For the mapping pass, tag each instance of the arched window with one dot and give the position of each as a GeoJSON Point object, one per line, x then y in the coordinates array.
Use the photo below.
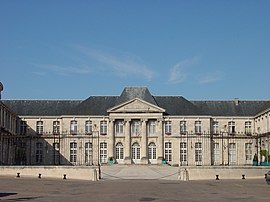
{"type": "Point", "coordinates": [119, 151]}
{"type": "Point", "coordinates": [136, 151]}
{"type": "Point", "coordinates": [152, 151]}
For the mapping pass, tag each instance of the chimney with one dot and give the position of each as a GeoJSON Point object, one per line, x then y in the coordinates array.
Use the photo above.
{"type": "Point", "coordinates": [236, 101]}
{"type": "Point", "coordinates": [1, 89]}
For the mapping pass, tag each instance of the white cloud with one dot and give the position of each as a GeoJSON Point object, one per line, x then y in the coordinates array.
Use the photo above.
{"type": "Point", "coordinates": [122, 66]}
{"type": "Point", "coordinates": [62, 70]}
{"type": "Point", "coordinates": [210, 77]}
{"type": "Point", "coordinates": [178, 73]}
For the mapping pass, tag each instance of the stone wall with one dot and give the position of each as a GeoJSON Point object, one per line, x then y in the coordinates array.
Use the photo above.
{"type": "Point", "coordinates": [71, 172]}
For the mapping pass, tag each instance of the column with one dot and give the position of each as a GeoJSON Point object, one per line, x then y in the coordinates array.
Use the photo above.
{"type": "Point", "coordinates": [111, 139]}
{"type": "Point", "coordinates": [144, 157]}
{"type": "Point", "coordinates": [127, 159]}
{"type": "Point", "coordinates": [160, 141]}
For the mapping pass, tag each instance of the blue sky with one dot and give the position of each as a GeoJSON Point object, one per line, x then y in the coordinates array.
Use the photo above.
{"type": "Point", "coordinates": [202, 50]}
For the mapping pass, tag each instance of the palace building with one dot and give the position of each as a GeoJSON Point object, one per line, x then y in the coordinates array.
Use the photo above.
{"type": "Point", "coordinates": [137, 127]}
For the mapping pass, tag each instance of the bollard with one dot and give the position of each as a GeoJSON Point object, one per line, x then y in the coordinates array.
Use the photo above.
{"type": "Point", "coordinates": [94, 175]}
{"type": "Point", "coordinates": [217, 177]}
{"type": "Point", "coordinates": [243, 177]}
{"type": "Point", "coordinates": [18, 175]}
{"type": "Point", "coordinates": [39, 176]}
{"type": "Point", "coordinates": [65, 177]}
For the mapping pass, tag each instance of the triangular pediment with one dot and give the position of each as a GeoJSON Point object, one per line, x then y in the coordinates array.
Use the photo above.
{"type": "Point", "coordinates": [136, 105]}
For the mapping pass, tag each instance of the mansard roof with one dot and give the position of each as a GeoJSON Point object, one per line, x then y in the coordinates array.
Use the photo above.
{"type": "Point", "coordinates": [99, 105]}
{"type": "Point", "coordinates": [42, 107]}
{"type": "Point", "coordinates": [231, 108]}
{"type": "Point", "coordinates": [129, 93]}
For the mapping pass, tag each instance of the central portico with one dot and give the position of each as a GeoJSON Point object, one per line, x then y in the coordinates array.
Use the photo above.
{"type": "Point", "coordinates": [135, 128]}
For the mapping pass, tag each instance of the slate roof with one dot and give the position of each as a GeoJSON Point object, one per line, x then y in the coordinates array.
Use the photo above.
{"type": "Point", "coordinates": [42, 107]}
{"type": "Point", "coordinates": [130, 93]}
{"type": "Point", "coordinates": [177, 105]}
{"type": "Point", "coordinates": [98, 105]}
{"type": "Point", "coordinates": [230, 108]}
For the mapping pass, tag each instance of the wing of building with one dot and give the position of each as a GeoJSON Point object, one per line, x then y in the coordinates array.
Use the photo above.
{"type": "Point", "coordinates": [137, 127]}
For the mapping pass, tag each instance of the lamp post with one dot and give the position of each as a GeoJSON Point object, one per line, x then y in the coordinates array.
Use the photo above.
{"type": "Point", "coordinates": [99, 169]}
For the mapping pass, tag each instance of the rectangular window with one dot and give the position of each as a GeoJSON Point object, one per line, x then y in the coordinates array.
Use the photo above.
{"type": "Point", "coordinates": [183, 152]}
{"type": "Point", "coordinates": [56, 127]}
{"type": "Point", "coordinates": [168, 127]}
{"type": "Point", "coordinates": [23, 129]}
{"type": "Point", "coordinates": [198, 152]}
{"type": "Point", "coordinates": [135, 128]}
{"type": "Point", "coordinates": [215, 128]}
{"type": "Point", "coordinates": [151, 128]}
{"type": "Point", "coordinates": [231, 127]}
{"type": "Point", "coordinates": [198, 127]}
{"type": "Point", "coordinates": [56, 153]}
{"type": "Point", "coordinates": [232, 153]}
{"type": "Point", "coordinates": [168, 151]}
{"type": "Point", "coordinates": [248, 153]}
{"type": "Point", "coordinates": [216, 154]}
{"type": "Point", "coordinates": [248, 127]}
{"type": "Point", "coordinates": [40, 127]}
{"type": "Point", "coordinates": [103, 127]}
{"type": "Point", "coordinates": [119, 128]}
{"type": "Point", "coordinates": [88, 127]}
{"type": "Point", "coordinates": [103, 152]}
{"type": "Point", "coordinates": [73, 127]}
{"type": "Point", "coordinates": [183, 127]}
{"type": "Point", "coordinates": [39, 152]}
{"type": "Point", "coordinates": [73, 152]}
{"type": "Point", "coordinates": [88, 153]}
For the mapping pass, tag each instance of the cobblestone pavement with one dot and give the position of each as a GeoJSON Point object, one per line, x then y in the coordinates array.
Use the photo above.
{"type": "Point", "coordinates": [34, 189]}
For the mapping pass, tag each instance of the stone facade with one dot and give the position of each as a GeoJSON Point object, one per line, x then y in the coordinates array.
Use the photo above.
{"type": "Point", "coordinates": [138, 128]}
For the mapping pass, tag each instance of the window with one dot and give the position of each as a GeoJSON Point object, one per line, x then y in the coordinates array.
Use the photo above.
{"type": "Point", "coordinates": [198, 152]}
{"type": "Point", "coordinates": [88, 153]}
{"type": "Point", "coordinates": [135, 128]}
{"type": "Point", "coordinates": [232, 153]}
{"type": "Point", "coordinates": [136, 155]}
{"type": "Point", "coordinates": [39, 152]}
{"type": "Point", "coordinates": [231, 127]}
{"type": "Point", "coordinates": [183, 127]}
{"type": "Point", "coordinates": [103, 127]}
{"type": "Point", "coordinates": [216, 154]}
{"type": "Point", "coordinates": [88, 127]}
{"type": "Point", "coordinates": [198, 127]}
{"type": "Point", "coordinates": [56, 127]}
{"type": "Point", "coordinates": [40, 127]}
{"type": "Point", "coordinates": [168, 151]}
{"type": "Point", "coordinates": [73, 152]}
{"type": "Point", "coordinates": [103, 152]}
{"type": "Point", "coordinates": [168, 127]}
{"type": "Point", "coordinates": [73, 127]}
{"type": "Point", "coordinates": [215, 127]}
{"type": "Point", "coordinates": [119, 128]}
{"type": "Point", "coordinates": [152, 151]}
{"type": "Point", "coordinates": [248, 152]}
{"type": "Point", "coordinates": [151, 128]}
{"type": "Point", "coordinates": [248, 127]}
{"type": "Point", "coordinates": [23, 129]}
{"type": "Point", "coordinates": [183, 152]}
{"type": "Point", "coordinates": [56, 153]}
{"type": "Point", "coordinates": [119, 150]}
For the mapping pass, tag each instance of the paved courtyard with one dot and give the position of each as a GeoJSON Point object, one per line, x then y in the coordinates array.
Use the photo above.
{"type": "Point", "coordinates": [34, 189]}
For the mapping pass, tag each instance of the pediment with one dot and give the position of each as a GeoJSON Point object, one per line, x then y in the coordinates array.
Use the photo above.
{"type": "Point", "coordinates": [136, 105]}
